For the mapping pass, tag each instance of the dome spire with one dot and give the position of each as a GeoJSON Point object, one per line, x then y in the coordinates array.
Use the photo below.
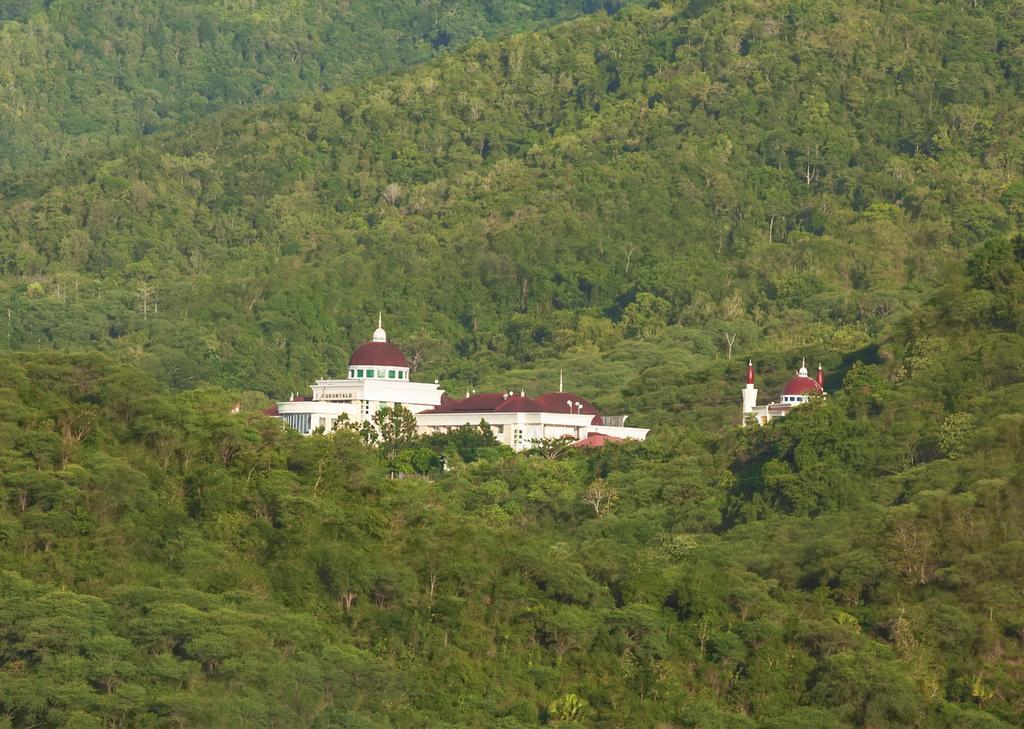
{"type": "Point", "coordinates": [803, 367]}
{"type": "Point", "coordinates": [750, 371]}
{"type": "Point", "coordinates": [379, 335]}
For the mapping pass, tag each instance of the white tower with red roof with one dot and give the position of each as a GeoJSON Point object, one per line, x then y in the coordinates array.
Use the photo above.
{"type": "Point", "coordinates": [749, 392]}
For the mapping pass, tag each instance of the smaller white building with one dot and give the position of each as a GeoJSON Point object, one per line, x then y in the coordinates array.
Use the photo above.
{"type": "Point", "coordinates": [378, 376]}
{"type": "Point", "coordinates": [519, 421]}
{"type": "Point", "coordinates": [797, 391]}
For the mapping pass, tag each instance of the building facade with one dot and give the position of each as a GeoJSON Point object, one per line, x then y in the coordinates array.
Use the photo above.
{"type": "Point", "coordinates": [378, 376]}
{"type": "Point", "coordinates": [800, 389]}
{"type": "Point", "coordinates": [519, 421]}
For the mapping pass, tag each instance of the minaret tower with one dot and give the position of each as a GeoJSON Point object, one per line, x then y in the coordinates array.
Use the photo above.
{"type": "Point", "coordinates": [821, 379]}
{"type": "Point", "coordinates": [749, 392]}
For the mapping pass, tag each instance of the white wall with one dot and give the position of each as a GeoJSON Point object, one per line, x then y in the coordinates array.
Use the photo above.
{"type": "Point", "coordinates": [520, 430]}
{"type": "Point", "coordinates": [415, 396]}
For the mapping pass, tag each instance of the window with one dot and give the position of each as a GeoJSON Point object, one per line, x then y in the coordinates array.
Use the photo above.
{"type": "Point", "coordinates": [401, 375]}
{"type": "Point", "coordinates": [300, 421]}
{"type": "Point", "coordinates": [351, 373]}
{"type": "Point", "coordinates": [359, 373]}
{"type": "Point", "coordinates": [391, 374]}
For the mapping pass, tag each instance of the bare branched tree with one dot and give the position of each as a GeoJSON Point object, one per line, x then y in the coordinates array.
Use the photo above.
{"type": "Point", "coordinates": [600, 496]}
{"type": "Point", "coordinates": [393, 193]}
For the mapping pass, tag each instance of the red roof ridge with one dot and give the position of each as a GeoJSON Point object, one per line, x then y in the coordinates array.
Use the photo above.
{"type": "Point", "coordinates": [596, 440]}
{"type": "Point", "coordinates": [498, 402]}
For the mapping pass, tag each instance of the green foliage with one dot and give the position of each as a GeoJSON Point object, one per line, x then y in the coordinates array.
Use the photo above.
{"type": "Point", "coordinates": [82, 76]}
{"type": "Point", "coordinates": [166, 561]}
{"type": "Point", "coordinates": [622, 198]}
{"type": "Point", "coordinates": [464, 444]}
{"type": "Point", "coordinates": [396, 428]}
{"type": "Point", "coordinates": [569, 709]}
{"type": "Point", "coordinates": [646, 317]}
{"type": "Point", "coordinates": [716, 178]}
{"type": "Point", "coordinates": [957, 435]}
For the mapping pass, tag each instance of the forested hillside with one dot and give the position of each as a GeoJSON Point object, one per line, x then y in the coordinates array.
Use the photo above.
{"type": "Point", "coordinates": [858, 564]}
{"type": "Point", "coordinates": [791, 174]}
{"type": "Point", "coordinates": [642, 200]}
{"type": "Point", "coordinates": [77, 74]}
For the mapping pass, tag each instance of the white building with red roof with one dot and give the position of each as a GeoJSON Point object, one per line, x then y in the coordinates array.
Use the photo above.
{"type": "Point", "coordinates": [519, 421]}
{"type": "Point", "coordinates": [800, 389]}
{"type": "Point", "coordinates": [379, 376]}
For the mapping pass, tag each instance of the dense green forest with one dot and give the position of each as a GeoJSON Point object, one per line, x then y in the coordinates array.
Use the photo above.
{"type": "Point", "coordinates": [790, 174]}
{"type": "Point", "coordinates": [642, 200]}
{"type": "Point", "coordinates": [858, 564]}
{"type": "Point", "coordinates": [77, 74]}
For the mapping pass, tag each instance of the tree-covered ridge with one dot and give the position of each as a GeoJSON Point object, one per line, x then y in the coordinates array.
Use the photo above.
{"type": "Point", "coordinates": [858, 564]}
{"type": "Point", "coordinates": [789, 174]}
{"type": "Point", "coordinates": [615, 197]}
{"type": "Point", "coordinates": [78, 74]}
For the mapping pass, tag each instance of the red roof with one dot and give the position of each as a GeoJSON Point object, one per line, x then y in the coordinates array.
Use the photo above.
{"type": "Point", "coordinates": [519, 404]}
{"type": "Point", "coordinates": [484, 402]}
{"type": "Point", "coordinates": [558, 402]}
{"type": "Point", "coordinates": [378, 353]}
{"type": "Point", "coordinates": [498, 402]}
{"type": "Point", "coordinates": [802, 385]}
{"type": "Point", "coordinates": [596, 440]}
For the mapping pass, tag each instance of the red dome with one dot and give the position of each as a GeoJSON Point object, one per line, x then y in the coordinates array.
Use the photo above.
{"type": "Point", "coordinates": [802, 385]}
{"type": "Point", "coordinates": [383, 354]}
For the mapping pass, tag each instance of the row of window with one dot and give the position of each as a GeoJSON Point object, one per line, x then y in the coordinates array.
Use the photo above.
{"type": "Point", "coordinates": [302, 422]}
{"type": "Point", "coordinates": [793, 398]}
{"type": "Point", "coordinates": [389, 374]}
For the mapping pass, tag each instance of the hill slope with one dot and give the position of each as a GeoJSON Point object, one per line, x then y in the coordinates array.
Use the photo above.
{"type": "Point", "coordinates": [76, 75]}
{"type": "Point", "coordinates": [781, 173]}
{"type": "Point", "coordinates": [858, 564]}
{"type": "Point", "coordinates": [614, 196]}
